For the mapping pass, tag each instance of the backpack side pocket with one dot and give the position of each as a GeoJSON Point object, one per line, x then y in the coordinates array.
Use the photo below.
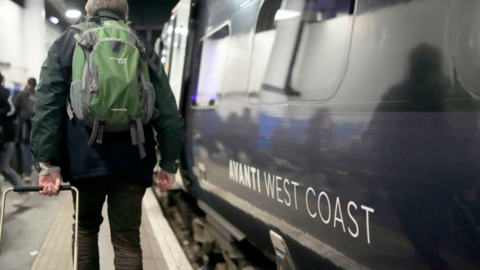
{"type": "Point", "coordinates": [76, 97]}
{"type": "Point", "coordinates": [149, 93]}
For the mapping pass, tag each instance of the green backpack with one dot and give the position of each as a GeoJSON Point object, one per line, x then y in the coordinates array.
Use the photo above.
{"type": "Point", "coordinates": [111, 89]}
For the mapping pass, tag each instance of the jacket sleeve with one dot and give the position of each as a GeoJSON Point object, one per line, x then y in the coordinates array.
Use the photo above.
{"type": "Point", "coordinates": [17, 101]}
{"type": "Point", "coordinates": [4, 104]}
{"type": "Point", "coordinates": [51, 96]}
{"type": "Point", "coordinates": [169, 125]}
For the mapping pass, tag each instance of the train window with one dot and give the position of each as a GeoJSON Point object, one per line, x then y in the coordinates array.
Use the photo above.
{"type": "Point", "coordinates": [300, 50]}
{"type": "Point", "coordinates": [467, 50]}
{"type": "Point", "coordinates": [211, 63]}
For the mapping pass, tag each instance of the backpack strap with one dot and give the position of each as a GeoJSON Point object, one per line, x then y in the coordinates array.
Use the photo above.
{"type": "Point", "coordinates": [93, 137]}
{"type": "Point", "coordinates": [141, 46]}
{"type": "Point", "coordinates": [136, 41]}
{"type": "Point", "coordinates": [87, 39]}
{"type": "Point", "coordinates": [134, 36]}
{"type": "Point", "coordinates": [138, 135]}
{"type": "Point", "coordinates": [97, 132]}
{"type": "Point", "coordinates": [141, 134]}
{"type": "Point", "coordinates": [133, 132]}
{"type": "Point", "coordinates": [101, 130]}
{"type": "Point", "coordinates": [70, 110]}
{"type": "Point", "coordinates": [151, 64]}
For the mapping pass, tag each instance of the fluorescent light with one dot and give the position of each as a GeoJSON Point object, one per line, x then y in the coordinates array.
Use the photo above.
{"type": "Point", "coordinates": [54, 20]}
{"type": "Point", "coordinates": [285, 14]}
{"type": "Point", "coordinates": [73, 14]}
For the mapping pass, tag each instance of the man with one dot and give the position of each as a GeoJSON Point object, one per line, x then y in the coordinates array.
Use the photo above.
{"type": "Point", "coordinates": [111, 169]}
{"type": "Point", "coordinates": [24, 106]}
{"type": "Point", "coordinates": [7, 110]}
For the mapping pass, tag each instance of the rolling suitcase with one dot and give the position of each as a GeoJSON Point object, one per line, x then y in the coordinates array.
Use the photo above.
{"type": "Point", "coordinates": [37, 189]}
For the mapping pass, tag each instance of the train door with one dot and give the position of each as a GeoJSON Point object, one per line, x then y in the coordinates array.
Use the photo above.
{"type": "Point", "coordinates": [176, 46]}
{"type": "Point", "coordinates": [168, 39]}
{"type": "Point", "coordinates": [174, 37]}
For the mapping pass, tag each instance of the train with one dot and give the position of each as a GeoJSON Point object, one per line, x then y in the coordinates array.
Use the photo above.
{"type": "Point", "coordinates": [330, 134]}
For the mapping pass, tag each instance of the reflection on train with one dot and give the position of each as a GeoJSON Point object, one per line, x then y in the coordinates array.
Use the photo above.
{"type": "Point", "coordinates": [339, 134]}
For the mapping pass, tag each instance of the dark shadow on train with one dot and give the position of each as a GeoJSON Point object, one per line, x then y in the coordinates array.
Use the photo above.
{"type": "Point", "coordinates": [235, 138]}
{"type": "Point", "coordinates": [428, 168]}
{"type": "Point", "coordinates": [206, 131]}
{"type": "Point", "coordinates": [307, 152]}
{"type": "Point", "coordinates": [241, 134]}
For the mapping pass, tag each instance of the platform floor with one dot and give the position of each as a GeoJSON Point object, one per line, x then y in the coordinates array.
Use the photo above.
{"type": "Point", "coordinates": [49, 232]}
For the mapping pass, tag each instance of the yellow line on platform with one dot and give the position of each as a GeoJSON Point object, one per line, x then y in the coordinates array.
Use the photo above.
{"type": "Point", "coordinates": [56, 253]}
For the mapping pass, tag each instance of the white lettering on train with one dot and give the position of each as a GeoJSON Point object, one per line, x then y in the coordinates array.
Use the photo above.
{"type": "Point", "coordinates": [253, 171]}
{"type": "Point", "coordinates": [306, 199]}
{"type": "Point", "coordinates": [295, 192]}
{"type": "Point", "coordinates": [367, 211]}
{"type": "Point", "coordinates": [249, 177]}
{"type": "Point", "coordinates": [355, 235]}
{"type": "Point", "coordinates": [269, 185]}
{"type": "Point", "coordinates": [338, 207]}
{"type": "Point", "coordinates": [279, 189]}
{"type": "Point", "coordinates": [285, 182]}
{"type": "Point", "coordinates": [241, 180]}
{"type": "Point", "coordinates": [326, 221]}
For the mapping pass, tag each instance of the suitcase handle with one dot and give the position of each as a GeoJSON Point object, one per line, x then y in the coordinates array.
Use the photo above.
{"type": "Point", "coordinates": [36, 189]}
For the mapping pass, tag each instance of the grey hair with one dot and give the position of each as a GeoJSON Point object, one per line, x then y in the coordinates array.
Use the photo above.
{"type": "Point", "coordinates": [119, 7]}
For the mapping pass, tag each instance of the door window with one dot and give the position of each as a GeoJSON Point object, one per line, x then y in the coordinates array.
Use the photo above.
{"type": "Point", "coordinates": [300, 50]}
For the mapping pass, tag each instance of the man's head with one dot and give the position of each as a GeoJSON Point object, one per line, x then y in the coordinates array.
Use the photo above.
{"type": "Point", "coordinates": [32, 83]}
{"type": "Point", "coordinates": [1, 79]}
{"type": "Point", "coordinates": [119, 7]}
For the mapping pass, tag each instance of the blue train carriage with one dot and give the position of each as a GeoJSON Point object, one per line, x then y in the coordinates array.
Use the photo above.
{"type": "Point", "coordinates": [332, 134]}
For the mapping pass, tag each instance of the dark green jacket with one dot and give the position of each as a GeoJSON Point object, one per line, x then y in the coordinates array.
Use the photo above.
{"type": "Point", "coordinates": [58, 141]}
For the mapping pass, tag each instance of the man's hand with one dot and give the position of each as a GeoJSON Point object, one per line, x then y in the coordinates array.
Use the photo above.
{"type": "Point", "coordinates": [51, 184]}
{"type": "Point", "coordinates": [165, 180]}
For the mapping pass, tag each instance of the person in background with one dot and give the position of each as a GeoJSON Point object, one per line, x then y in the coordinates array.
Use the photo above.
{"type": "Point", "coordinates": [7, 111]}
{"type": "Point", "coordinates": [24, 105]}
{"type": "Point", "coordinates": [113, 170]}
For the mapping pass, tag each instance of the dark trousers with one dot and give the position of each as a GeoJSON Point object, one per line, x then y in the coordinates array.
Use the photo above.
{"type": "Point", "coordinates": [124, 215]}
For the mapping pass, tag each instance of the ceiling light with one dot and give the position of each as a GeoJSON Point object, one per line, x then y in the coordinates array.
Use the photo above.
{"type": "Point", "coordinates": [54, 20]}
{"type": "Point", "coordinates": [73, 14]}
{"type": "Point", "coordinates": [285, 14]}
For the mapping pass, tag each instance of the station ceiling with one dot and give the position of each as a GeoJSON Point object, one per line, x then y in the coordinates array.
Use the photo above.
{"type": "Point", "coordinates": [144, 13]}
